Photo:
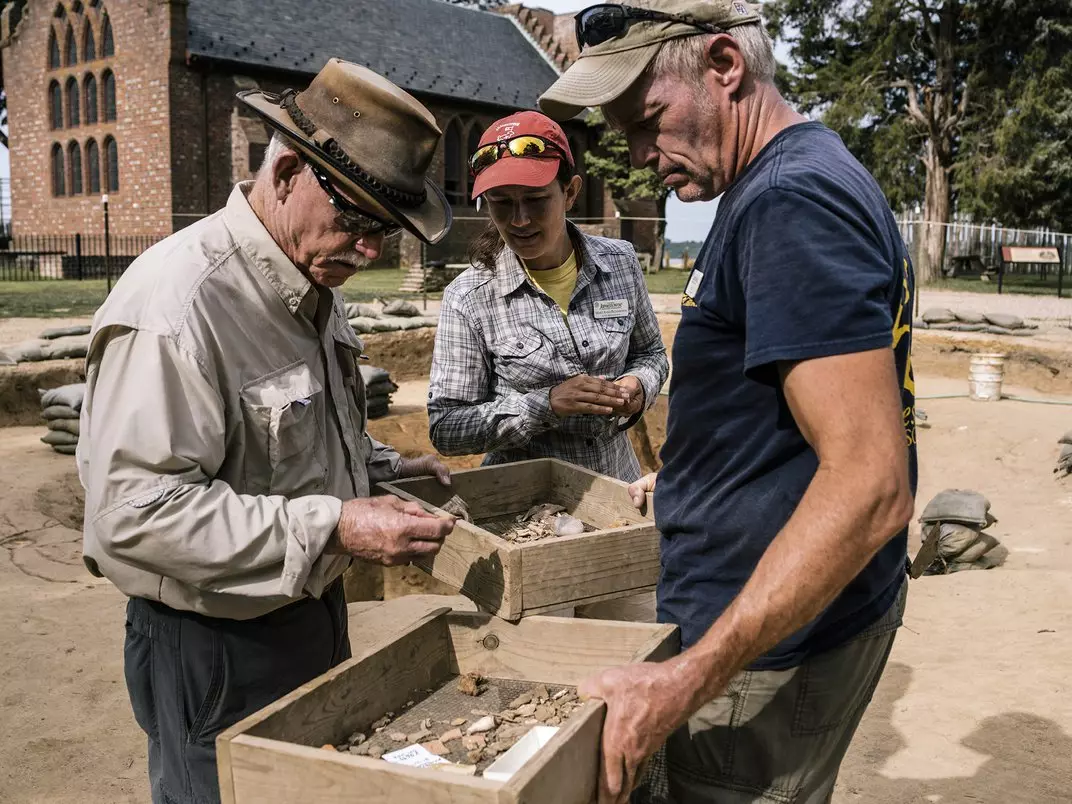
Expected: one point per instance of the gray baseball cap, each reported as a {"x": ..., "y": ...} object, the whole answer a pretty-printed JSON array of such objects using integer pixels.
[{"x": 604, "y": 71}]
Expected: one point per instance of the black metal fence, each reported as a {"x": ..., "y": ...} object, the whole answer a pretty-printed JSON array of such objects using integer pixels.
[{"x": 76, "y": 256}]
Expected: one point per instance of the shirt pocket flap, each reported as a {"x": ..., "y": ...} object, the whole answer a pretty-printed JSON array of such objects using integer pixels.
[
  {"x": 517, "y": 346},
  {"x": 293, "y": 383}
]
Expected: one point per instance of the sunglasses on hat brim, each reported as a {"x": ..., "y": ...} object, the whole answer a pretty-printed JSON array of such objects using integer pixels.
[
  {"x": 601, "y": 23},
  {"x": 523, "y": 146},
  {"x": 353, "y": 219}
]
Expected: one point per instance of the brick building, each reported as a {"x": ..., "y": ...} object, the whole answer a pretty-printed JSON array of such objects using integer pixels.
[{"x": 136, "y": 98}]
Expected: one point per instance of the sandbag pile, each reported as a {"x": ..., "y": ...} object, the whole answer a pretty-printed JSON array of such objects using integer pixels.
[
  {"x": 1064, "y": 460},
  {"x": 378, "y": 390},
  {"x": 970, "y": 321},
  {"x": 61, "y": 408},
  {"x": 957, "y": 519},
  {"x": 52, "y": 344},
  {"x": 391, "y": 317}
]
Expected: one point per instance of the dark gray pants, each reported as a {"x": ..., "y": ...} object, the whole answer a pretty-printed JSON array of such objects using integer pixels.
[{"x": 190, "y": 677}]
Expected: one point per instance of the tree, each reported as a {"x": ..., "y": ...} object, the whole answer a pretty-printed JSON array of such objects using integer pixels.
[
  {"x": 889, "y": 76},
  {"x": 1017, "y": 165},
  {"x": 910, "y": 86},
  {"x": 610, "y": 162}
]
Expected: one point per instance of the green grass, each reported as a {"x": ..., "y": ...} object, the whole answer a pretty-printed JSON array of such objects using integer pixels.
[
  {"x": 668, "y": 280},
  {"x": 51, "y": 298},
  {"x": 69, "y": 298},
  {"x": 1013, "y": 284},
  {"x": 56, "y": 298}
]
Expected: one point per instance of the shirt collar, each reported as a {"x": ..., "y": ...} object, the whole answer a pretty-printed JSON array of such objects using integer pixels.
[
  {"x": 251, "y": 236},
  {"x": 510, "y": 273}
]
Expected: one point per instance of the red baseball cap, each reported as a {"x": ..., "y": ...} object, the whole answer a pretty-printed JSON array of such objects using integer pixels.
[{"x": 524, "y": 171}]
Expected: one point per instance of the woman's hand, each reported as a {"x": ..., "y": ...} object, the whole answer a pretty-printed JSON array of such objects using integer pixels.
[
  {"x": 635, "y": 402},
  {"x": 588, "y": 396}
]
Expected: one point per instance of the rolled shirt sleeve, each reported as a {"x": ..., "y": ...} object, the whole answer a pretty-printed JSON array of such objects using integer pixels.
[
  {"x": 647, "y": 359},
  {"x": 384, "y": 462},
  {"x": 154, "y": 438}
]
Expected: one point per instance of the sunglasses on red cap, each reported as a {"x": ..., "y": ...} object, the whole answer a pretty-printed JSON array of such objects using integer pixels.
[{"x": 524, "y": 146}]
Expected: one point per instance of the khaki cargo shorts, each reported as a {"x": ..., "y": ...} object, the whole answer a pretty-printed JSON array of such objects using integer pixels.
[{"x": 778, "y": 736}]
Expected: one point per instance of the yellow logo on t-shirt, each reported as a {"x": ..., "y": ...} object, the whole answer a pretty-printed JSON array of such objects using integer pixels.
[{"x": 909, "y": 381}]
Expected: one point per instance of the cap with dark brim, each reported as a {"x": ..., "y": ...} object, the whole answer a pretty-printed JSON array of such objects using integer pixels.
[
  {"x": 429, "y": 221},
  {"x": 518, "y": 171},
  {"x": 595, "y": 80}
]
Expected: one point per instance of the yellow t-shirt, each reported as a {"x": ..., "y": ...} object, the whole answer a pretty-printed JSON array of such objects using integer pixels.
[{"x": 558, "y": 283}]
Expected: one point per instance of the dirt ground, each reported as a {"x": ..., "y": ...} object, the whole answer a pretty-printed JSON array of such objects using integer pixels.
[{"x": 975, "y": 706}]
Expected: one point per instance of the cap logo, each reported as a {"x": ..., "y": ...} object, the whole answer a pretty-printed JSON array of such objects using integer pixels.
[
  {"x": 507, "y": 130},
  {"x": 740, "y": 8}
]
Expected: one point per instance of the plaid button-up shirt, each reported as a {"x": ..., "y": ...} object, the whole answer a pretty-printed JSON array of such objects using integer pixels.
[{"x": 502, "y": 344}]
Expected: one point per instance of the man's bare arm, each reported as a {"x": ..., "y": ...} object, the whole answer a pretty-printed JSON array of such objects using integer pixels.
[{"x": 848, "y": 408}]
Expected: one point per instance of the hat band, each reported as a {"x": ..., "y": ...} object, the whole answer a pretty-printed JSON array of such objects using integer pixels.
[{"x": 288, "y": 100}]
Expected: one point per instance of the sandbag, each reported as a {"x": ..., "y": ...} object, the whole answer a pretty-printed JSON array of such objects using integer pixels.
[
  {"x": 362, "y": 310},
  {"x": 64, "y": 349},
  {"x": 954, "y": 539},
  {"x": 26, "y": 351},
  {"x": 1064, "y": 461},
  {"x": 59, "y": 412},
  {"x": 982, "y": 545},
  {"x": 384, "y": 388},
  {"x": 958, "y": 505},
  {"x": 1066, "y": 438},
  {"x": 1006, "y": 331},
  {"x": 388, "y": 324},
  {"x": 363, "y": 325},
  {"x": 62, "y": 332},
  {"x": 939, "y": 315},
  {"x": 373, "y": 374},
  {"x": 64, "y": 425},
  {"x": 65, "y": 449},
  {"x": 59, "y": 438},
  {"x": 964, "y": 327},
  {"x": 69, "y": 395},
  {"x": 969, "y": 317},
  {"x": 401, "y": 307},
  {"x": 1005, "y": 320}
]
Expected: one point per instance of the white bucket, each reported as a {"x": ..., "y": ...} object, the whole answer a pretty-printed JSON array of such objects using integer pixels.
[{"x": 985, "y": 375}]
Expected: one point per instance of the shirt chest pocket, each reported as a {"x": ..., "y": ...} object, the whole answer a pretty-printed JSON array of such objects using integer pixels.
[
  {"x": 616, "y": 333},
  {"x": 285, "y": 452},
  {"x": 525, "y": 361}
]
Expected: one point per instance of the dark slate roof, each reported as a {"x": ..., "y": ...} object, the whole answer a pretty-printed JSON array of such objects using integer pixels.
[{"x": 424, "y": 46}]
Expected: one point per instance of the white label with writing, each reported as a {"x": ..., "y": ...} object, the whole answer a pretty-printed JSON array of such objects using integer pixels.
[
  {"x": 611, "y": 308},
  {"x": 415, "y": 756},
  {"x": 694, "y": 283}
]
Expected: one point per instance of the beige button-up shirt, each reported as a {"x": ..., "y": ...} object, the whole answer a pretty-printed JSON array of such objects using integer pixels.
[{"x": 223, "y": 424}]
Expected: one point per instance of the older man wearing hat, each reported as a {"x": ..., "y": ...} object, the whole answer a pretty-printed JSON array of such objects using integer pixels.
[
  {"x": 789, "y": 466},
  {"x": 225, "y": 459}
]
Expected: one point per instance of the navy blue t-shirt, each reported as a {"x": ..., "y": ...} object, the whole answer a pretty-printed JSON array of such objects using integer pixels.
[{"x": 804, "y": 260}]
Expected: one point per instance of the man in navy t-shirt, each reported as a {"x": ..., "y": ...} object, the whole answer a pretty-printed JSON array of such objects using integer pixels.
[{"x": 789, "y": 466}]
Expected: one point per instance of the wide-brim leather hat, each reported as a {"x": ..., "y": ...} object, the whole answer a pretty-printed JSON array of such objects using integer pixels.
[{"x": 374, "y": 140}]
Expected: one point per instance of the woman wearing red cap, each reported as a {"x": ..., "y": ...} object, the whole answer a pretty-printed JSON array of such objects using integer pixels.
[{"x": 548, "y": 345}]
